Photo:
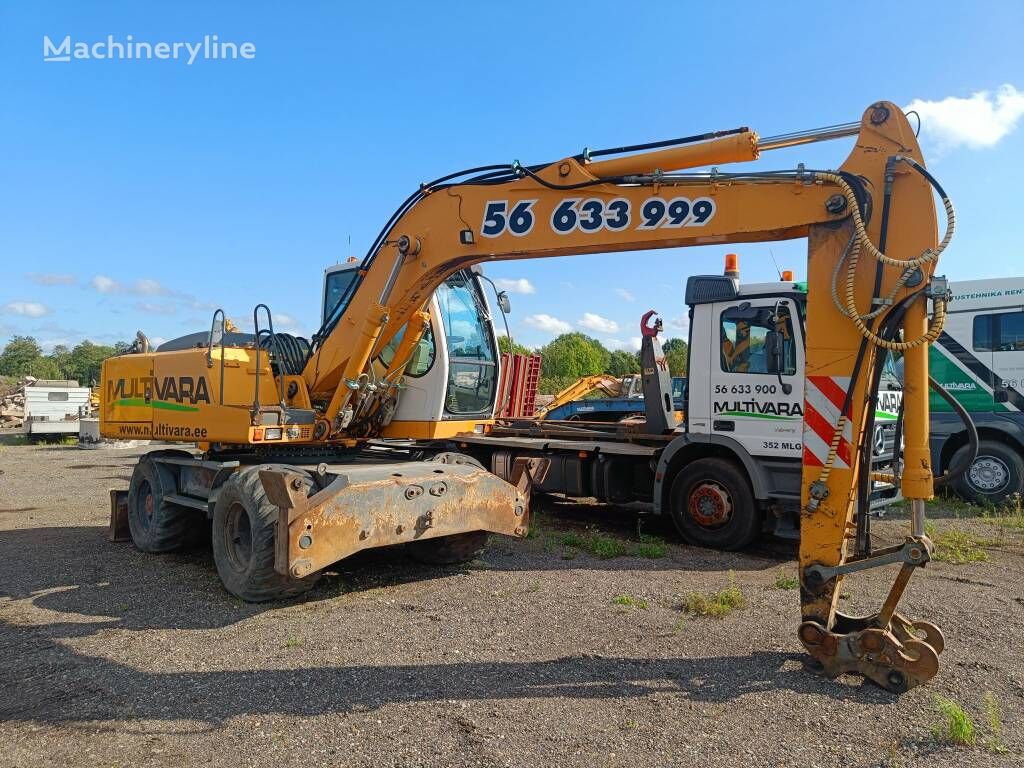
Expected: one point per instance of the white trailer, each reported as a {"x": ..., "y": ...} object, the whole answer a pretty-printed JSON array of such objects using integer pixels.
[{"x": 53, "y": 407}]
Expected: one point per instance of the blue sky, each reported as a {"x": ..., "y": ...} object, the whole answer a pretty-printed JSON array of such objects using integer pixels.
[{"x": 141, "y": 194}]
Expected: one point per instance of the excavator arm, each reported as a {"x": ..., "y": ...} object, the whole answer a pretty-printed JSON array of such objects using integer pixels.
[
  {"x": 873, "y": 244},
  {"x": 580, "y": 388}
]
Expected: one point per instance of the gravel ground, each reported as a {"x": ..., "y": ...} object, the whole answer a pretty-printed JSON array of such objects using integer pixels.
[{"x": 523, "y": 658}]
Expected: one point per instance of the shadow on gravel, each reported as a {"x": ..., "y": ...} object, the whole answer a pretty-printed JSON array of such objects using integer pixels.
[
  {"x": 103, "y": 585},
  {"x": 52, "y": 683}
]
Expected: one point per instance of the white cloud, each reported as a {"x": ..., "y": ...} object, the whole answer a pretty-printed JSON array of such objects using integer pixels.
[
  {"x": 48, "y": 344},
  {"x": 681, "y": 323},
  {"x": 157, "y": 308},
  {"x": 105, "y": 284},
  {"x": 547, "y": 323},
  {"x": 26, "y": 308},
  {"x": 633, "y": 345},
  {"x": 148, "y": 287},
  {"x": 976, "y": 122},
  {"x": 281, "y": 320},
  {"x": 156, "y": 341},
  {"x": 52, "y": 278},
  {"x": 142, "y": 287},
  {"x": 522, "y": 285},
  {"x": 625, "y": 295},
  {"x": 597, "y": 323}
]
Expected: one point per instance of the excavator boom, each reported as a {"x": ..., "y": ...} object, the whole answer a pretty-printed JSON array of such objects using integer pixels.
[{"x": 872, "y": 235}]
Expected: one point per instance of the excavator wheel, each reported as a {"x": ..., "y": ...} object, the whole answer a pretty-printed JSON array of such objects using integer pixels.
[
  {"x": 244, "y": 529},
  {"x": 450, "y": 550},
  {"x": 155, "y": 524},
  {"x": 712, "y": 505}
]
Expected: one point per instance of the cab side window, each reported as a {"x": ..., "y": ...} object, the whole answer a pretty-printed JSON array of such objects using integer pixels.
[
  {"x": 1002, "y": 332},
  {"x": 744, "y": 333}
]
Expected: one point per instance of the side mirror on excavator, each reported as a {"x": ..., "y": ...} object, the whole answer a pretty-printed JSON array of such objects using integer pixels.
[{"x": 503, "y": 302}]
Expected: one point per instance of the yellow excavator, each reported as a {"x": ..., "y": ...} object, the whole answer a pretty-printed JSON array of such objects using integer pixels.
[
  {"x": 626, "y": 386},
  {"x": 313, "y": 450}
]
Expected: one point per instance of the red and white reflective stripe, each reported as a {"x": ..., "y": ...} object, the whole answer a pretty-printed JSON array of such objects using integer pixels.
[{"x": 823, "y": 402}]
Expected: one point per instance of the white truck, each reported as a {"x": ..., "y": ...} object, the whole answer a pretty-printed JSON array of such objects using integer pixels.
[
  {"x": 979, "y": 360},
  {"x": 728, "y": 471}
]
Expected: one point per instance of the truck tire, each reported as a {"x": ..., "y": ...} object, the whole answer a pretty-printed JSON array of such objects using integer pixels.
[
  {"x": 712, "y": 505},
  {"x": 244, "y": 529},
  {"x": 996, "y": 474},
  {"x": 155, "y": 524},
  {"x": 450, "y": 550}
]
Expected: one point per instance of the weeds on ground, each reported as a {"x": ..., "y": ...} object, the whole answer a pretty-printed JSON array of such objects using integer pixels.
[
  {"x": 293, "y": 642},
  {"x": 1010, "y": 515},
  {"x": 959, "y": 547},
  {"x": 955, "y": 725},
  {"x": 606, "y": 547},
  {"x": 716, "y": 604},
  {"x": 630, "y": 602},
  {"x": 785, "y": 581},
  {"x": 994, "y": 719}
]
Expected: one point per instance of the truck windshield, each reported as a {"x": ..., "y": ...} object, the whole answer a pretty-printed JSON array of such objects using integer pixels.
[{"x": 471, "y": 356}]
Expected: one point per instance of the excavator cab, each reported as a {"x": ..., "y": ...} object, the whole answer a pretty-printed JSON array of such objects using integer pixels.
[{"x": 452, "y": 375}]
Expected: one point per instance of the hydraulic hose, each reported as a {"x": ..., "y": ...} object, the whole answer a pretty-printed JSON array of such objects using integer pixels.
[{"x": 956, "y": 471}]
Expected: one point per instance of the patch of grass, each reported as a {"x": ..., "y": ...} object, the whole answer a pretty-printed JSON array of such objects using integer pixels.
[
  {"x": 959, "y": 547},
  {"x": 597, "y": 544},
  {"x": 954, "y": 726},
  {"x": 606, "y": 547},
  {"x": 651, "y": 547},
  {"x": 785, "y": 581},
  {"x": 1010, "y": 515},
  {"x": 716, "y": 604},
  {"x": 293, "y": 642},
  {"x": 994, "y": 720},
  {"x": 630, "y": 602}
]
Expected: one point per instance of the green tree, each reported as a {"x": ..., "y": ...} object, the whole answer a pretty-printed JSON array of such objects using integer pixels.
[
  {"x": 85, "y": 361},
  {"x": 677, "y": 354},
  {"x": 505, "y": 344},
  {"x": 20, "y": 357},
  {"x": 621, "y": 362},
  {"x": 573, "y": 355}
]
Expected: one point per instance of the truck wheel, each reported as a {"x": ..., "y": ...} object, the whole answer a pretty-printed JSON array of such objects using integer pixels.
[
  {"x": 712, "y": 505},
  {"x": 244, "y": 528},
  {"x": 449, "y": 550},
  {"x": 996, "y": 474},
  {"x": 155, "y": 524}
]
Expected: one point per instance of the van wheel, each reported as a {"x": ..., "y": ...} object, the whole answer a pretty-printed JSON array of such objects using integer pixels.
[
  {"x": 996, "y": 474},
  {"x": 244, "y": 529},
  {"x": 712, "y": 505},
  {"x": 155, "y": 524}
]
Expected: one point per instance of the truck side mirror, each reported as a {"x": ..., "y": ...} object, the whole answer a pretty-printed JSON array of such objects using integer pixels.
[
  {"x": 503, "y": 303},
  {"x": 773, "y": 352},
  {"x": 775, "y": 358}
]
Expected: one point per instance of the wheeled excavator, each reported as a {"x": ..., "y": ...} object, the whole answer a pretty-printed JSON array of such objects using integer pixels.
[{"x": 303, "y": 460}]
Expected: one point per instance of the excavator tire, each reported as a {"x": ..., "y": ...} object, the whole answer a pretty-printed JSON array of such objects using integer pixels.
[
  {"x": 155, "y": 524},
  {"x": 450, "y": 550},
  {"x": 712, "y": 505},
  {"x": 244, "y": 527}
]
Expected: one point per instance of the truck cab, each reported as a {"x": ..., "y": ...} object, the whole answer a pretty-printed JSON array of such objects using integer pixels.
[{"x": 979, "y": 360}]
